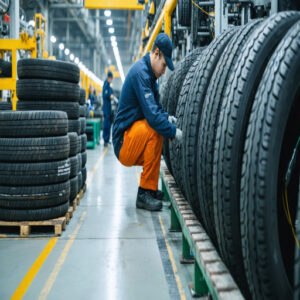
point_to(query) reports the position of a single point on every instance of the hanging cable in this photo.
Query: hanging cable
(285, 193)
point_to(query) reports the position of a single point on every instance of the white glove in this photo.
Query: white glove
(172, 120)
(178, 135)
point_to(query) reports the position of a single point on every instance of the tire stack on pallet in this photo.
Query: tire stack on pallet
(34, 165)
(83, 138)
(238, 165)
(53, 85)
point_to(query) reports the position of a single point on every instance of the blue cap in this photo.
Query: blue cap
(164, 44)
(110, 74)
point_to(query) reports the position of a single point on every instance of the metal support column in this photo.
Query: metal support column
(175, 225)
(14, 20)
(221, 16)
(186, 258)
(274, 7)
(199, 287)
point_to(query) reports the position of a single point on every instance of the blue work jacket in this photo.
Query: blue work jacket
(106, 93)
(140, 100)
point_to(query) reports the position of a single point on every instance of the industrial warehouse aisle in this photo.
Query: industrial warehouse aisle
(110, 249)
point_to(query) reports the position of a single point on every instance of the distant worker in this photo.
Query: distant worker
(91, 95)
(108, 96)
(141, 123)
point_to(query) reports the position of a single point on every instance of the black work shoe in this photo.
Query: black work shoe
(105, 145)
(147, 201)
(159, 195)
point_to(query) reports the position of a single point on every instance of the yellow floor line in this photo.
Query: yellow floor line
(61, 260)
(24, 285)
(93, 171)
(174, 267)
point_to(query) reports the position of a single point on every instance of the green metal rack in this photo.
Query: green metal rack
(211, 276)
(95, 126)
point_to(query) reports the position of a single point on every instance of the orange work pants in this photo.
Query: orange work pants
(142, 146)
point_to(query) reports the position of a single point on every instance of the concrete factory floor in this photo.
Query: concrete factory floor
(109, 250)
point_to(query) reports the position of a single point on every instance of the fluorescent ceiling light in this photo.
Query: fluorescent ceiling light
(53, 39)
(61, 46)
(67, 51)
(107, 13)
(109, 22)
(111, 30)
(72, 56)
(76, 60)
(114, 44)
(113, 38)
(119, 64)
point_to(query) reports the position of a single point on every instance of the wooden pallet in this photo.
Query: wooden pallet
(58, 224)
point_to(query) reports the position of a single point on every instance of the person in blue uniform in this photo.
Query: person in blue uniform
(141, 123)
(108, 96)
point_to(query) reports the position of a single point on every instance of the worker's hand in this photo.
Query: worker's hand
(172, 120)
(178, 135)
(112, 97)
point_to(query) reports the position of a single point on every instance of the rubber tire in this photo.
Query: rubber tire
(47, 90)
(233, 120)
(184, 12)
(74, 146)
(33, 123)
(179, 77)
(79, 178)
(82, 125)
(5, 106)
(84, 176)
(28, 197)
(74, 126)
(5, 68)
(74, 188)
(23, 174)
(230, 249)
(75, 167)
(191, 121)
(34, 149)
(36, 68)
(83, 142)
(79, 143)
(82, 111)
(84, 159)
(82, 96)
(71, 108)
(272, 133)
(180, 109)
(79, 158)
(34, 214)
(165, 150)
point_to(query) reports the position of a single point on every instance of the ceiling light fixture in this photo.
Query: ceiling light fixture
(113, 38)
(53, 39)
(67, 51)
(72, 56)
(77, 60)
(61, 46)
(111, 30)
(109, 22)
(107, 13)
(119, 64)
(114, 44)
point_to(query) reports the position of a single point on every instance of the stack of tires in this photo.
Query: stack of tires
(83, 138)
(238, 164)
(34, 165)
(53, 85)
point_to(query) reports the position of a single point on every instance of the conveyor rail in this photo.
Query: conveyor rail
(211, 276)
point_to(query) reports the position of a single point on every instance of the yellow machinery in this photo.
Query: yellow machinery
(34, 44)
(164, 17)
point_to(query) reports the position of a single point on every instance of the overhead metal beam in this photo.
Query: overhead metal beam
(113, 4)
